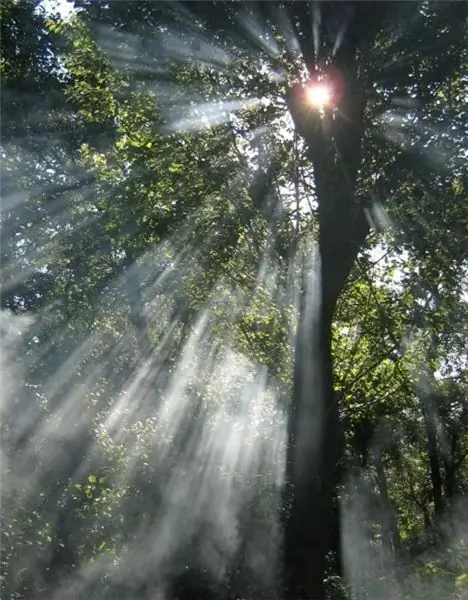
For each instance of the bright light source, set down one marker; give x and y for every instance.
(318, 95)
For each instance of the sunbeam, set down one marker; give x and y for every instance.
(233, 310)
(209, 114)
(207, 452)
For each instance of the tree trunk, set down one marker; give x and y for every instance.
(430, 423)
(314, 432)
(336, 567)
(314, 449)
(390, 533)
(311, 466)
(314, 443)
(451, 469)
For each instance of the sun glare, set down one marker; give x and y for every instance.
(318, 95)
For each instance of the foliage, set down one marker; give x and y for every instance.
(160, 260)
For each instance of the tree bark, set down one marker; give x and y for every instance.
(314, 450)
(314, 432)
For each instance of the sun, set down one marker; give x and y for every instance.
(318, 94)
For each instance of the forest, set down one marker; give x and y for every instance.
(234, 300)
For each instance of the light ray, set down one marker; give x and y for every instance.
(210, 114)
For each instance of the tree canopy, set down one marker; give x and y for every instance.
(234, 318)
